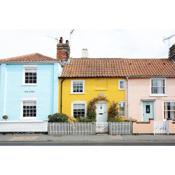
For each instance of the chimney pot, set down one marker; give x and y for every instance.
(61, 40)
(84, 53)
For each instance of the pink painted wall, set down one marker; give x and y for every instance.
(140, 89)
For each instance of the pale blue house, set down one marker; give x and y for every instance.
(28, 92)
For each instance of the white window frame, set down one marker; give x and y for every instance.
(168, 101)
(23, 78)
(28, 118)
(78, 102)
(124, 107)
(124, 84)
(72, 82)
(151, 94)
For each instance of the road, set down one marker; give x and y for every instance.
(50, 140)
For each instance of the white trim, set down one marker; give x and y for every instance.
(166, 101)
(23, 75)
(72, 81)
(21, 113)
(157, 95)
(79, 102)
(122, 89)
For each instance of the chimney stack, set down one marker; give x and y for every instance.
(84, 53)
(63, 51)
(172, 52)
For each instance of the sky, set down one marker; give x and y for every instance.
(130, 43)
(107, 28)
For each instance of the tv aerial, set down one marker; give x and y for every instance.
(54, 38)
(168, 39)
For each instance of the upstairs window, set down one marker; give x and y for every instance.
(158, 86)
(78, 110)
(121, 84)
(169, 110)
(30, 75)
(77, 86)
(29, 108)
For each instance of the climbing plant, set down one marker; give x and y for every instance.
(113, 111)
(91, 108)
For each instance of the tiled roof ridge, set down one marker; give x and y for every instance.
(28, 58)
(122, 58)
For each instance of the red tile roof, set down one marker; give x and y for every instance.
(118, 67)
(35, 57)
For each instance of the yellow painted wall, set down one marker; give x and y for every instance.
(93, 88)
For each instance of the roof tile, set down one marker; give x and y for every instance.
(35, 57)
(118, 67)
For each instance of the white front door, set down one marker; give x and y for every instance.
(101, 112)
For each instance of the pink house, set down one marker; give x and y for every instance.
(151, 88)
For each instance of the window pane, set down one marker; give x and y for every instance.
(79, 110)
(122, 108)
(158, 86)
(78, 86)
(122, 84)
(30, 75)
(169, 110)
(29, 108)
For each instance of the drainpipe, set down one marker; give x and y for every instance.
(61, 94)
(127, 96)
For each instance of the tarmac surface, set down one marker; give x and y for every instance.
(78, 140)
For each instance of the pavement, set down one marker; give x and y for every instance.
(94, 140)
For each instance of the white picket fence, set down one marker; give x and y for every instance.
(71, 128)
(161, 127)
(120, 128)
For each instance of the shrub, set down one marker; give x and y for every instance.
(119, 119)
(58, 117)
(5, 117)
(84, 119)
(91, 111)
(113, 111)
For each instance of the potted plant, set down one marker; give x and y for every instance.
(4, 117)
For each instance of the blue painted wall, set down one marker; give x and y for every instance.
(13, 91)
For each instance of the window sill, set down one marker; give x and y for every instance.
(121, 89)
(29, 84)
(158, 95)
(28, 119)
(77, 93)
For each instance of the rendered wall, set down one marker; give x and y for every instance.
(140, 89)
(94, 87)
(14, 91)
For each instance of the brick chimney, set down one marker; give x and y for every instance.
(63, 50)
(172, 52)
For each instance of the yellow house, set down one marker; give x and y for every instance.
(84, 79)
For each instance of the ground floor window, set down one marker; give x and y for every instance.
(122, 108)
(169, 110)
(78, 110)
(29, 108)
